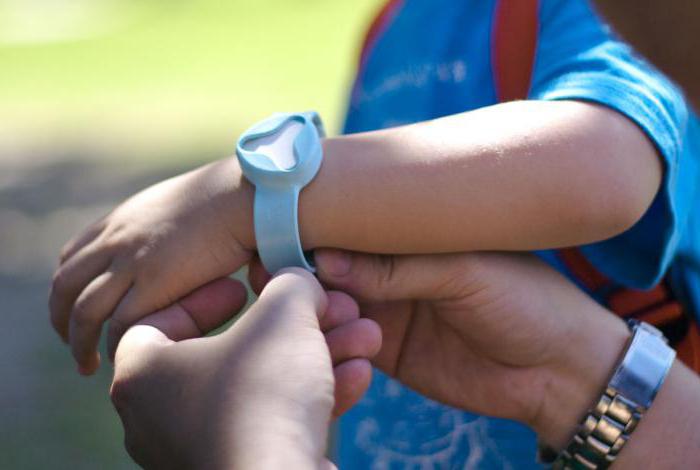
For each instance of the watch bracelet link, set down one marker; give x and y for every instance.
(630, 392)
(602, 434)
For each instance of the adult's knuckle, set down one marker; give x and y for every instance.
(121, 393)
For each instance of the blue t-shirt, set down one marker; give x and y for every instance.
(434, 59)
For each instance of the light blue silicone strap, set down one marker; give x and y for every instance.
(277, 191)
(277, 229)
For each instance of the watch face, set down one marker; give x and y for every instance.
(282, 151)
(278, 147)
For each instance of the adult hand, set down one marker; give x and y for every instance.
(497, 334)
(259, 395)
(506, 335)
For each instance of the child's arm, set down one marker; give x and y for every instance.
(517, 176)
(514, 176)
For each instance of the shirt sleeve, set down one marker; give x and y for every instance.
(578, 58)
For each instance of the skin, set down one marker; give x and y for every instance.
(432, 187)
(665, 32)
(651, 28)
(461, 329)
(464, 328)
(271, 381)
(525, 334)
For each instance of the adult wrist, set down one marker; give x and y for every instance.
(576, 382)
(270, 434)
(652, 445)
(607, 426)
(270, 452)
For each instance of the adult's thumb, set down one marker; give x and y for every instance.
(195, 315)
(393, 277)
(292, 292)
(136, 347)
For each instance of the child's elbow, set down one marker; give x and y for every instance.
(624, 213)
(624, 204)
(629, 172)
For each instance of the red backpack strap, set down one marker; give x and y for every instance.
(657, 306)
(688, 349)
(514, 38)
(514, 45)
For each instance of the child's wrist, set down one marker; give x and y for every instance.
(318, 210)
(321, 203)
(237, 203)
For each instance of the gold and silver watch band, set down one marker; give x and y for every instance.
(602, 434)
(606, 428)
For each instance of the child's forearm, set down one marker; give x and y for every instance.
(517, 176)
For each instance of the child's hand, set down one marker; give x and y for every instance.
(149, 252)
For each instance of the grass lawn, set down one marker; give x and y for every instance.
(157, 79)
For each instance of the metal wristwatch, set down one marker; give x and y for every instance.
(631, 390)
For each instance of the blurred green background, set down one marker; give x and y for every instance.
(98, 99)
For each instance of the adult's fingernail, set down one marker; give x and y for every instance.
(335, 263)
